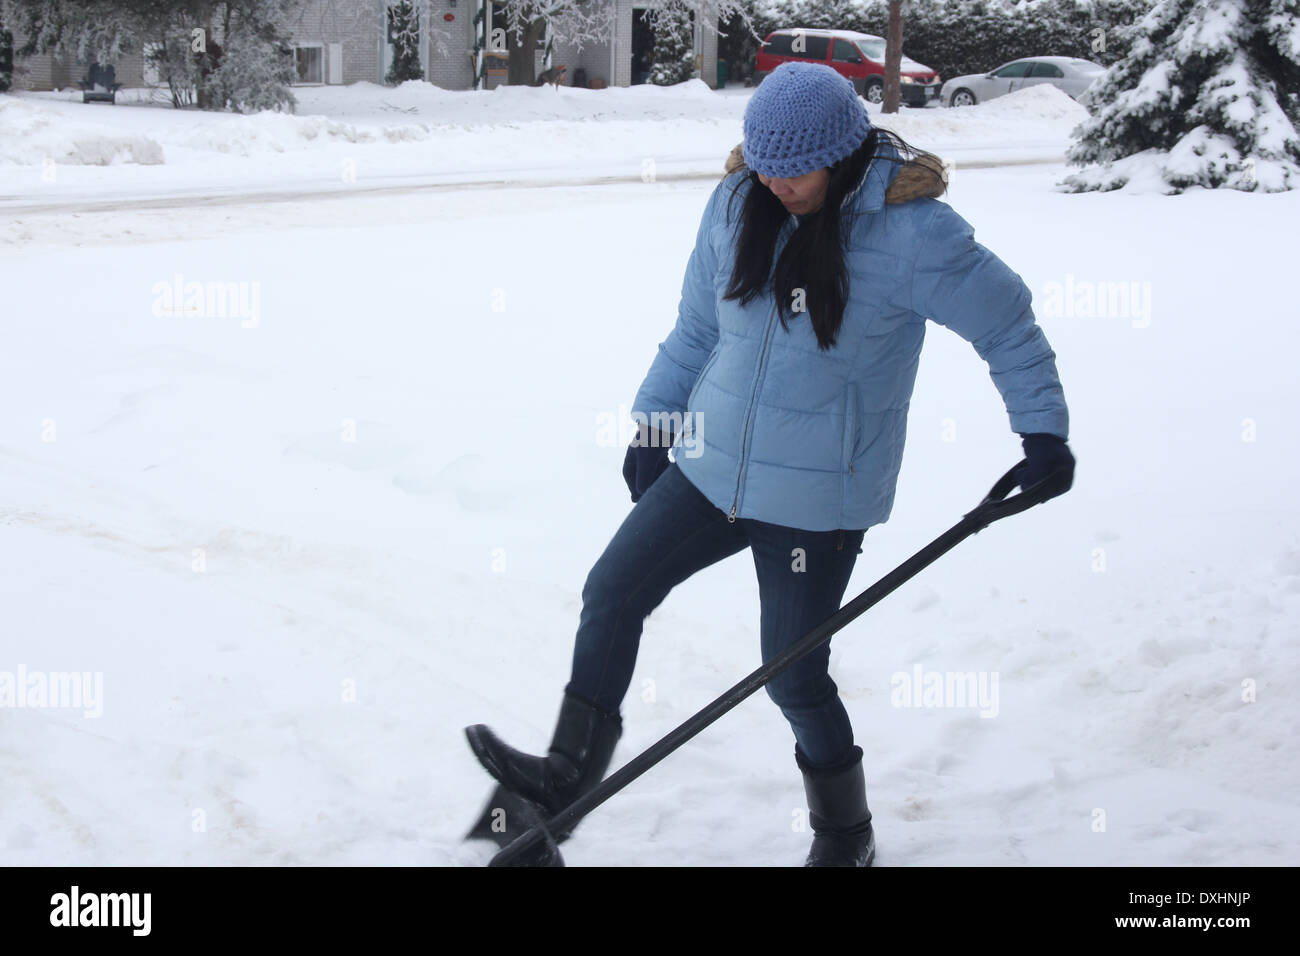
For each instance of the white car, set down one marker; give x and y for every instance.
(1067, 73)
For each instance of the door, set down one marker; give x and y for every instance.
(1040, 73)
(847, 61)
(1007, 78)
(643, 46)
(336, 63)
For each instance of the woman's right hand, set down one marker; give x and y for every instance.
(646, 460)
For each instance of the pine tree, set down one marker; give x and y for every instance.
(404, 21)
(674, 53)
(1208, 95)
(255, 71)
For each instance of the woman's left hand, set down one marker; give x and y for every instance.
(1046, 454)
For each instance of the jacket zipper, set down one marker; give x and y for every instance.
(749, 412)
(753, 395)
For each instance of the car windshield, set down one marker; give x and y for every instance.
(1087, 66)
(872, 49)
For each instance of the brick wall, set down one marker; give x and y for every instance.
(450, 43)
(43, 71)
(358, 25)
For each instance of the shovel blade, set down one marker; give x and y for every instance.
(508, 816)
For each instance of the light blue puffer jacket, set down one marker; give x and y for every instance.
(788, 434)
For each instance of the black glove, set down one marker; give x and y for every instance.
(646, 460)
(1045, 455)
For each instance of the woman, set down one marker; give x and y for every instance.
(786, 383)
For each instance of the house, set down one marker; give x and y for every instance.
(346, 41)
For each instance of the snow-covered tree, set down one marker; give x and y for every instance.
(1209, 95)
(582, 23)
(673, 59)
(405, 28)
(256, 70)
(186, 40)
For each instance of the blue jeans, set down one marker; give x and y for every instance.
(674, 531)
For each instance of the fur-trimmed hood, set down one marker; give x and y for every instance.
(914, 180)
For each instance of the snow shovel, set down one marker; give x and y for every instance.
(537, 846)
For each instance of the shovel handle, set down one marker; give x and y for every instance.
(996, 505)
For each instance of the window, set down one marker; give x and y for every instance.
(1045, 69)
(811, 47)
(779, 45)
(873, 50)
(151, 53)
(815, 48)
(845, 52)
(1014, 69)
(309, 62)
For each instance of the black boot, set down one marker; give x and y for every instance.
(580, 752)
(837, 809)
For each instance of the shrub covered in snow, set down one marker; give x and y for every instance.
(674, 57)
(255, 72)
(404, 26)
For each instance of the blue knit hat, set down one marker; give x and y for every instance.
(803, 116)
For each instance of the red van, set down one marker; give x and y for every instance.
(858, 56)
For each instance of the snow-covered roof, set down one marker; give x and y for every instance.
(822, 31)
(1050, 59)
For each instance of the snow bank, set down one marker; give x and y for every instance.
(33, 134)
(1044, 102)
(273, 132)
(1036, 113)
(515, 104)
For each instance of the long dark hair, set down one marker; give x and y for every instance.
(813, 258)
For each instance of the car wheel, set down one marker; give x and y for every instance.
(874, 92)
(962, 98)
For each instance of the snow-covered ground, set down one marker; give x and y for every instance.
(306, 541)
(54, 148)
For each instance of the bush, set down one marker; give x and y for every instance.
(404, 27)
(674, 57)
(254, 73)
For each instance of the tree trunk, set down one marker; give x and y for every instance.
(205, 100)
(893, 55)
(521, 70)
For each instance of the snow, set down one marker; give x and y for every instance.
(364, 135)
(307, 541)
(33, 134)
